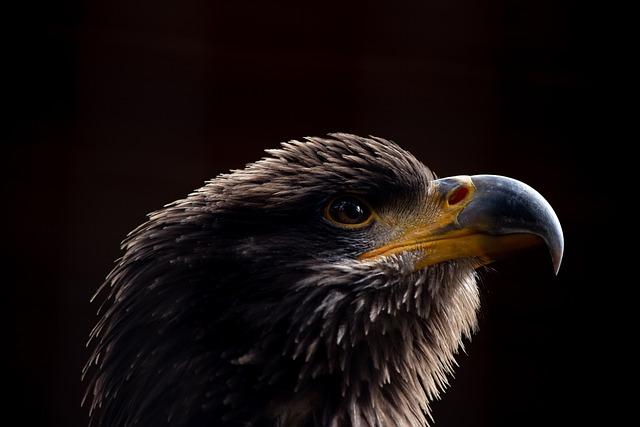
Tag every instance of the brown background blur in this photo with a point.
(119, 107)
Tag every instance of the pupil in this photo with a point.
(352, 211)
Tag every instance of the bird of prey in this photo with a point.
(329, 284)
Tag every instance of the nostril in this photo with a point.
(458, 195)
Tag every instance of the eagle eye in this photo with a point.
(348, 212)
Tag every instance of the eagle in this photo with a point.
(330, 283)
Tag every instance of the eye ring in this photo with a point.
(348, 211)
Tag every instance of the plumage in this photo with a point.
(240, 305)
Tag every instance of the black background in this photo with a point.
(119, 107)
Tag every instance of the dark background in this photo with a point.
(118, 107)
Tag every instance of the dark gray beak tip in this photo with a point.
(556, 249)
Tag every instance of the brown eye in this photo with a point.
(349, 211)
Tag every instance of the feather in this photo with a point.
(241, 305)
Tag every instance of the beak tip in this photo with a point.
(556, 266)
(556, 246)
(556, 257)
(554, 239)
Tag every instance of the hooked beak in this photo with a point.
(483, 217)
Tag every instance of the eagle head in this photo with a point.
(328, 284)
